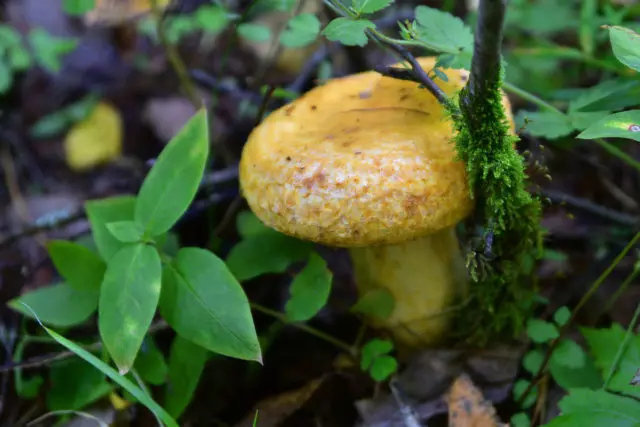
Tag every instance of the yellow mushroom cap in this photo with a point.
(361, 160)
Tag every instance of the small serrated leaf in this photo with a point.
(568, 353)
(301, 30)
(540, 331)
(442, 31)
(370, 6)
(347, 31)
(562, 316)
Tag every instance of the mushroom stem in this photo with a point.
(425, 277)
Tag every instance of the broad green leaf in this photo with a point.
(521, 419)
(78, 265)
(309, 290)
(542, 17)
(382, 367)
(568, 378)
(377, 303)
(74, 385)
(248, 224)
(540, 331)
(373, 349)
(547, 124)
(205, 304)
(6, 78)
(262, 6)
(618, 125)
(568, 353)
(562, 316)
(125, 231)
(254, 32)
(78, 7)
(29, 388)
(150, 363)
(301, 30)
(596, 408)
(267, 252)
(128, 300)
(174, 179)
(19, 58)
(347, 31)
(518, 390)
(48, 50)
(625, 44)
(604, 345)
(212, 19)
(582, 121)
(370, 6)
(100, 213)
(532, 361)
(442, 31)
(600, 97)
(186, 363)
(122, 381)
(58, 305)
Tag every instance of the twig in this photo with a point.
(174, 57)
(564, 329)
(47, 359)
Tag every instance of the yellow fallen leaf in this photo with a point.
(95, 140)
(468, 407)
(118, 403)
(118, 11)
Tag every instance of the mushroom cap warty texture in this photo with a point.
(361, 160)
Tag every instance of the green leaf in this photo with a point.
(625, 44)
(254, 32)
(601, 96)
(128, 300)
(58, 305)
(625, 124)
(373, 349)
(29, 388)
(125, 231)
(212, 19)
(248, 224)
(174, 179)
(78, 7)
(518, 390)
(79, 266)
(74, 385)
(521, 419)
(568, 353)
(6, 78)
(267, 252)
(122, 381)
(604, 345)
(546, 124)
(532, 361)
(377, 303)
(442, 32)
(369, 6)
(542, 17)
(262, 6)
(596, 408)
(19, 58)
(186, 363)
(383, 367)
(347, 31)
(102, 212)
(150, 363)
(562, 316)
(568, 378)
(301, 30)
(49, 50)
(205, 304)
(309, 290)
(540, 331)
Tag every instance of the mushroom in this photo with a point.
(367, 162)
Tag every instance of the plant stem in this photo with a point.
(174, 57)
(594, 287)
(623, 346)
(350, 350)
(616, 152)
(625, 284)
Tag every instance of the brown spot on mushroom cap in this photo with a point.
(404, 183)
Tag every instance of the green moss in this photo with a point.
(501, 260)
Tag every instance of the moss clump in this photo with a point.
(500, 261)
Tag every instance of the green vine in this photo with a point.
(500, 262)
